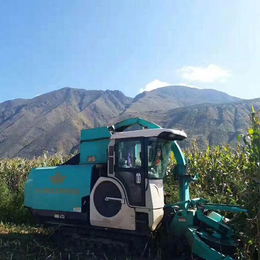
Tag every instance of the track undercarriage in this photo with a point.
(107, 244)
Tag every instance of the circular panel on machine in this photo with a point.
(107, 208)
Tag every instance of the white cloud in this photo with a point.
(210, 74)
(154, 85)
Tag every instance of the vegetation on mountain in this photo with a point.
(52, 122)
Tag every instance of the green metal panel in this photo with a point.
(210, 222)
(201, 249)
(223, 207)
(95, 133)
(58, 188)
(121, 126)
(94, 144)
(180, 158)
(181, 221)
(94, 148)
(181, 173)
(215, 216)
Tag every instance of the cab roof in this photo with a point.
(164, 133)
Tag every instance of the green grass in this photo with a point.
(23, 242)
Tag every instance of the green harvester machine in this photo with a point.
(113, 191)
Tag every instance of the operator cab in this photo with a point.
(147, 149)
(137, 164)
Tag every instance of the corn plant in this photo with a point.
(13, 174)
(251, 196)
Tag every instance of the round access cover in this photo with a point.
(107, 208)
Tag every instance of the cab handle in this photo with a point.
(115, 199)
(138, 178)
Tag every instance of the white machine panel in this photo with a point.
(108, 207)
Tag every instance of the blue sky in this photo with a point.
(129, 45)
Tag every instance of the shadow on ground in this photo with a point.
(32, 246)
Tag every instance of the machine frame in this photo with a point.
(67, 195)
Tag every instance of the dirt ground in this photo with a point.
(35, 243)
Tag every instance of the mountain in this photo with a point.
(52, 121)
(209, 124)
(176, 96)
(212, 124)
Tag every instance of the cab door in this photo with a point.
(130, 170)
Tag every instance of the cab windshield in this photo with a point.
(158, 157)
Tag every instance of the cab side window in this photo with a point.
(129, 154)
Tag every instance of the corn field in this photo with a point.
(226, 175)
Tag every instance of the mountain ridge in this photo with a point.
(52, 121)
(176, 96)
